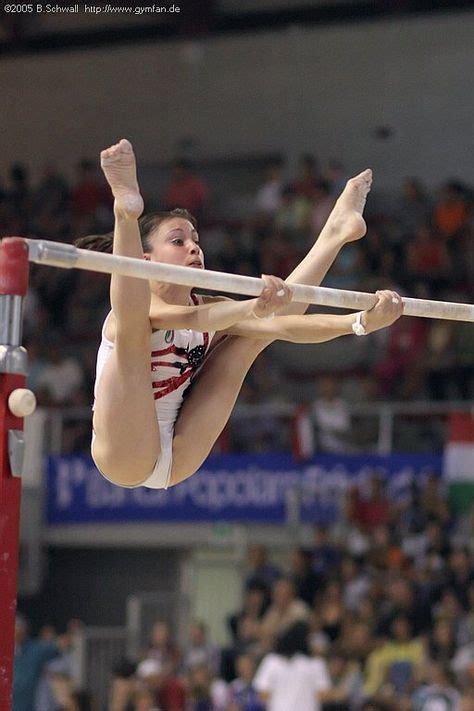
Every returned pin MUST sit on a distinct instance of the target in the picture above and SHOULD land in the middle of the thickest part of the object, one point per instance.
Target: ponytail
(98, 243)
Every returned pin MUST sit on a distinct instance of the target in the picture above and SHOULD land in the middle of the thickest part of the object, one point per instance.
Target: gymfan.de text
(107, 9)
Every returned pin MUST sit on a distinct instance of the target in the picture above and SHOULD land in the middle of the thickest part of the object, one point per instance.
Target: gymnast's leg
(205, 412)
(127, 439)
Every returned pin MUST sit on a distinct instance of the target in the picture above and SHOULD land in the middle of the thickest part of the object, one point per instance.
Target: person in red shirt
(186, 189)
(371, 511)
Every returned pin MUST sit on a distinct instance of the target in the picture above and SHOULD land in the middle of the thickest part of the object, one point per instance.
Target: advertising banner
(267, 488)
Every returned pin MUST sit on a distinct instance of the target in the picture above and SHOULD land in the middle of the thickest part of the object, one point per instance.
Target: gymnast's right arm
(317, 328)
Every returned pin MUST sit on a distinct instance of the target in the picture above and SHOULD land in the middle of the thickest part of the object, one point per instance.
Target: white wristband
(358, 327)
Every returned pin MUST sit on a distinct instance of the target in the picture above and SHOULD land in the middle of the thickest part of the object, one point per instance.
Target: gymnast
(145, 432)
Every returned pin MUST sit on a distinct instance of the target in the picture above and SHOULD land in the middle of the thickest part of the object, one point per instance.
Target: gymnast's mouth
(197, 264)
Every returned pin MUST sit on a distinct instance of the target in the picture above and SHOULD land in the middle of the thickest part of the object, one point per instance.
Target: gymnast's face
(176, 241)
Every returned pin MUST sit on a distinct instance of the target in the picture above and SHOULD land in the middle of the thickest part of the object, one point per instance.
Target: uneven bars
(57, 254)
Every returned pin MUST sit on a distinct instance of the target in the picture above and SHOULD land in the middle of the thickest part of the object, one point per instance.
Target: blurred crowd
(375, 613)
(418, 242)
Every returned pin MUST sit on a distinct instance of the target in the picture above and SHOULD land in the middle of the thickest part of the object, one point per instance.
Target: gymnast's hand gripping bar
(57, 254)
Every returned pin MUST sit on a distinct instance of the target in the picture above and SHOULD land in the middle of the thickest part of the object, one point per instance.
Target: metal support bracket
(16, 451)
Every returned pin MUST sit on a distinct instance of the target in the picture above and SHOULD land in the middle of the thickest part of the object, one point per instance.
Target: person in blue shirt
(31, 656)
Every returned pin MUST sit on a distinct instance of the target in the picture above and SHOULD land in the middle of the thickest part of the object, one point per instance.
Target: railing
(97, 650)
(381, 427)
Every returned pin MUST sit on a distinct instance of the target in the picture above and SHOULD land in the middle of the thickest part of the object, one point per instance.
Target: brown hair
(146, 224)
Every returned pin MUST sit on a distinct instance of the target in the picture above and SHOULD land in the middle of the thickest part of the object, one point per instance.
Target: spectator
(206, 692)
(306, 580)
(260, 571)
(242, 692)
(289, 678)
(60, 378)
(428, 260)
(284, 611)
(330, 414)
(31, 657)
(186, 189)
(451, 212)
(268, 199)
(162, 647)
(167, 691)
(308, 178)
(373, 509)
(414, 208)
(325, 553)
(345, 683)
(395, 660)
(200, 650)
(440, 693)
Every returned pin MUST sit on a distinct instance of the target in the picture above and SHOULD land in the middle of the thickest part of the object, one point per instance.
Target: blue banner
(259, 488)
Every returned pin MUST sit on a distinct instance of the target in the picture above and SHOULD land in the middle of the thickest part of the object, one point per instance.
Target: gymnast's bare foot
(118, 164)
(346, 221)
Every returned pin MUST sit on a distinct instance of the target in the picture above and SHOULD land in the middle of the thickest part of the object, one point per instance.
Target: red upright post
(13, 287)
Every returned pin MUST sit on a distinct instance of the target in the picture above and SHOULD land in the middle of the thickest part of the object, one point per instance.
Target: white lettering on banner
(218, 490)
(68, 476)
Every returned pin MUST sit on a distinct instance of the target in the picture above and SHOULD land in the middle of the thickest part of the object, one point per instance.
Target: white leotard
(176, 355)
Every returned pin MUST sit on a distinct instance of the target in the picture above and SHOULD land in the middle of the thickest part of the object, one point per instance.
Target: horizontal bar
(57, 254)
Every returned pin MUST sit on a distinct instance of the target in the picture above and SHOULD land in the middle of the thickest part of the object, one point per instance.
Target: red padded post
(13, 281)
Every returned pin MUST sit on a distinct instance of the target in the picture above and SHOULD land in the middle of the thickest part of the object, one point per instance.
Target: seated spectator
(403, 354)
(330, 414)
(355, 582)
(293, 218)
(60, 377)
(451, 212)
(268, 198)
(200, 650)
(325, 554)
(466, 683)
(243, 696)
(123, 685)
(414, 207)
(166, 690)
(442, 642)
(260, 571)
(162, 647)
(440, 692)
(460, 575)
(31, 658)
(373, 509)
(401, 649)
(432, 500)
(308, 176)
(245, 624)
(205, 691)
(428, 260)
(306, 581)
(278, 255)
(403, 599)
(345, 681)
(284, 611)
(186, 189)
(289, 678)
(89, 195)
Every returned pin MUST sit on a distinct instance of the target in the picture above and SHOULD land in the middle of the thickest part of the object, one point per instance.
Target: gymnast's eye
(178, 241)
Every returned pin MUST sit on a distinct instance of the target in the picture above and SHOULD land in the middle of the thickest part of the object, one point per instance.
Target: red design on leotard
(191, 361)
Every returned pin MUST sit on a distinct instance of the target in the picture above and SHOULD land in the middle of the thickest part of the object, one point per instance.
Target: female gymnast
(145, 433)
